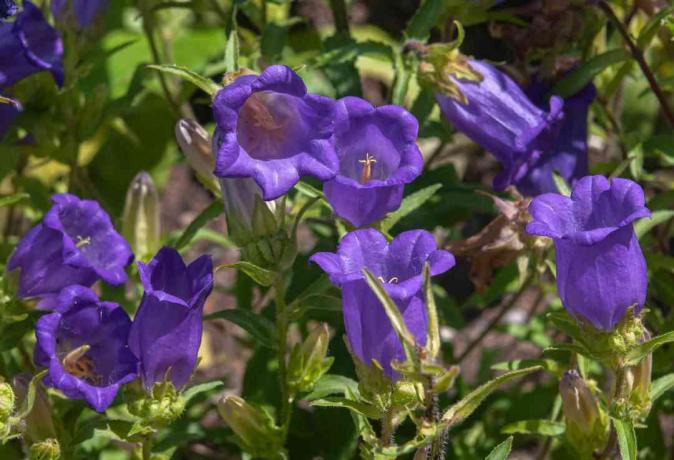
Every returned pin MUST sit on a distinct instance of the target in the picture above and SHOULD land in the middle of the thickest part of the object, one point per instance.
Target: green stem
(387, 429)
(147, 448)
(612, 443)
(340, 17)
(282, 331)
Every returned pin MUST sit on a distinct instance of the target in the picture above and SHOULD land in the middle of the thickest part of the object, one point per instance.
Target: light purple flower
(400, 266)
(85, 10)
(568, 155)
(75, 244)
(270, 129)
(94, 373)
(166, 331)
(502, 120)
(601, 271)
(29, 45)
(377, 154)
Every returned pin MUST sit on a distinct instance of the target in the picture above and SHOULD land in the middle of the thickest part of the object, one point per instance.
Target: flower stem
(387, 429)
(147, 448)
(340, 16)
(638, 55)
(612, 443)
(282, 331)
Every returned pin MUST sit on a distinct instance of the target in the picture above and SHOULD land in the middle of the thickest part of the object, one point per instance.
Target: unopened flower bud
(195, 143)
(161, 407)
(639, 381)
(256, 432)
(38, 425)
(308, 362)
(6, 408)
(141, 224)
(48, 449)
(586, 424)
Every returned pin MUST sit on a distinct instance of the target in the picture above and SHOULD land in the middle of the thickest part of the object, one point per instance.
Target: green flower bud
(308, 362)
(38, 425)
(7, 401)
(255, 430)
(48, 449)
(195, 143)
(638, 380)
(586, 423)
(158, 409)
(141, 225)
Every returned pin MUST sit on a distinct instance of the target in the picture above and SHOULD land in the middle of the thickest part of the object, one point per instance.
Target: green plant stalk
(147, 448)
(387, 428)
(612, 443)
(340, 16)
(282, 329)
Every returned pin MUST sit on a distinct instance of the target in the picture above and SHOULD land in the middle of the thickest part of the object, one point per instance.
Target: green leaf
(211, 212)
(409, 204)
(316, 291)
(643, 226)
(466, 406)
(501, 451)
(637, 163)
(652, 26)
(661, 386)
(206, 84)
(330, 384)
(637, 353)
(202, 388)
(350, 51)
(260, 275)
(394, 315)
(29, 401)
(257, 326)
(536, 427)
(232, 52)
(358, 407)
(627, 440)
(581, 76)
(561, 184)
(549, 365)
(7, 200)
(433, 335)
(426, 16)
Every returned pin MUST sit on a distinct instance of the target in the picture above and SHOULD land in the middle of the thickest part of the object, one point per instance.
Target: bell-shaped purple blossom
(166, 332)
(377, 154)
(399, 265)
(270, 129)
(76, 243)
(568, 154)
(29, 45)
(83, 344)
(7, 9)
(601, 271)
(85, 11)
(502, 120)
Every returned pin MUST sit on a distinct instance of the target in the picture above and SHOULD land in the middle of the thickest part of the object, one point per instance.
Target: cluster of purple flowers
(92, 347)
(29, 44)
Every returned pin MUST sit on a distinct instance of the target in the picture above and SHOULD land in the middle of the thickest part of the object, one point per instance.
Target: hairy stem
(638, 55)
(282, 330)
(612, 443)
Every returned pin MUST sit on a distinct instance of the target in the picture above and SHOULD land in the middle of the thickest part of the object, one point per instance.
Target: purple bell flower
(377, 154)
(270, 129)
(568, 155)
(75, 244)
(83, 343)
(166, 332)
(400, 266)
(501, 118)
(7, 9)
(29, 45)
(85, 10)
(601, 271)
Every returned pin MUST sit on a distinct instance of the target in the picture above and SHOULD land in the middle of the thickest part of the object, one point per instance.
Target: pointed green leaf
(661, 386)
(211, 212)
(561, 184)
(541, 427)
(330, 384)
(426, 16)
(409, 204)
(576, 80)
(7, 200)
(652, 26)
(358, 407)
(260, 275)
(643, 226)
(627, 439)
(232, 52)
(462, 409)
(257, 326)
(28, 403)
(433, 337)
(202, 388)
(637, 353)
(205, 84)
(501, 451)
(549, 365)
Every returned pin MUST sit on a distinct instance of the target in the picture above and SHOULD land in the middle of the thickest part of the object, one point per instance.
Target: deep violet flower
(29, 45)
(502, 120)
(568, 154)
(166, 331)
(85, 10)
(377, 154)
(400, 266)
(75, 244)
(83, 343)
(7, 8)
(601, 271)
(270, 129)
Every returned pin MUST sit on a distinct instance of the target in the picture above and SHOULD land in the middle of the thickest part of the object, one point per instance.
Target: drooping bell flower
(75, 243)
(497, 115)
(29, 45)
(7, 9)
(568, 154)
(271, 130)
(83, 344)
(601, 271)
(84, 11)
(399, 265)
(166, 332)
(377, 154)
